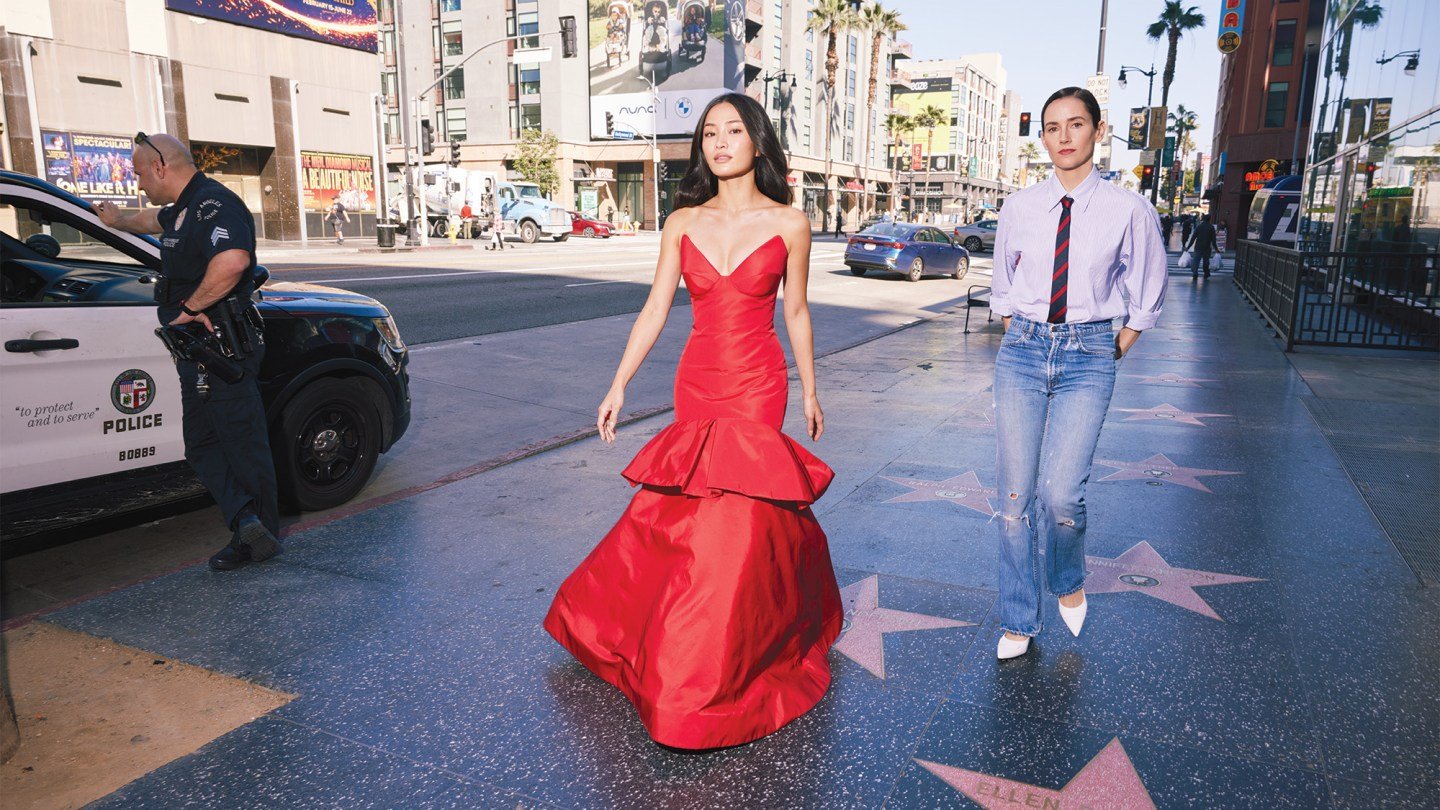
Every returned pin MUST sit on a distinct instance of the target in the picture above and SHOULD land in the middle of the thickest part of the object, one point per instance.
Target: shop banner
(1232, 19)
(1139, 123)
(326, 175)
(347, 23)
(692, 51)
(94, 167)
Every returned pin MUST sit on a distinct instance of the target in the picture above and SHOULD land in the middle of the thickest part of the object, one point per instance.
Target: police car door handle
(28, 345)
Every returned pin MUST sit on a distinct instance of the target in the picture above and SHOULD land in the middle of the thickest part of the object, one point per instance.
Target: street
(510, 353)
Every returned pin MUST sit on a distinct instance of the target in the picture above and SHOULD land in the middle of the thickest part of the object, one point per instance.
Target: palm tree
(881, 23)
(1029, 152)
(897, 123)
(1182, 122)
(927, 119)
(1174, 21)
(830, 17)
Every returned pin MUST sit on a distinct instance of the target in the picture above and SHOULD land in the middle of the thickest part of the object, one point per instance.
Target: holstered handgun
(237, 326)
(195, 344)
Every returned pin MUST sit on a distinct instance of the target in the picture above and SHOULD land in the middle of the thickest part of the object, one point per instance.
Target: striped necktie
(1060, 282)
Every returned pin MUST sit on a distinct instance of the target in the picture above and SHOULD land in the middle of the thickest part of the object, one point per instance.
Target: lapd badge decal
(180, 218)
(132, 392)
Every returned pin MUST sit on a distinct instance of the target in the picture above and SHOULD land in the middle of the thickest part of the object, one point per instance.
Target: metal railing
(1361, 299)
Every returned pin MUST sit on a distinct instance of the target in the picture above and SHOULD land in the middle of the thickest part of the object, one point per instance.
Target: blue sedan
(911, 250)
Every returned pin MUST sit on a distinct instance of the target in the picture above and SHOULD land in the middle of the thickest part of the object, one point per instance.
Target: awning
(854, 185)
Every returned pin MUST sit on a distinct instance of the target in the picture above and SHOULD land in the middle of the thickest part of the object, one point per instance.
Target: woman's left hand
(814, 417)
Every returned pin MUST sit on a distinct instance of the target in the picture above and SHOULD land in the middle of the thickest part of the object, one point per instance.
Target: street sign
(1147, 158)
(1099, 85)
(621, 134)
(1139, 172)
(530, 56)
(1169, 156)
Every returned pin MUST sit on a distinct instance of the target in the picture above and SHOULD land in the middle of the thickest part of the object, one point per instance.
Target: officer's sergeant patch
(218, 234)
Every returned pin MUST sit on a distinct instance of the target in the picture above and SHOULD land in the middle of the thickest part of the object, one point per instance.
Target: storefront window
(630, 191)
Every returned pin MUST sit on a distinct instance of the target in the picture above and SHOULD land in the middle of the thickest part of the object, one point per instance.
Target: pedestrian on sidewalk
(497, 227)
(207, 269)
(839, 221)
(1167, 228)
(338, 219)
(1187, 226)
(1203, 244)
(712, 603)
(1055, 370)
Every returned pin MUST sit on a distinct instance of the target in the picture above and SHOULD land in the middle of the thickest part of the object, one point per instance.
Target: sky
(1049, 44)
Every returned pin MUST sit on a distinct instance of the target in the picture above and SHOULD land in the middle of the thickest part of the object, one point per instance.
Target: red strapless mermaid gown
(712, 603)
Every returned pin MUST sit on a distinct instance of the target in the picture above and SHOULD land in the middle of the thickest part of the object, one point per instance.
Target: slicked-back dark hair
(700, 184)
(1086, 97)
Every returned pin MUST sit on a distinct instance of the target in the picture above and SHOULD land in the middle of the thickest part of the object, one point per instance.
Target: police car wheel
(327, 442)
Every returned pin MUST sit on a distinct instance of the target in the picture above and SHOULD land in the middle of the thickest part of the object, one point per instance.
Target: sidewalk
(1254, 639)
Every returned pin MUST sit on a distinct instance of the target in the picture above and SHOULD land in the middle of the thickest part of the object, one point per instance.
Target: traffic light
(609, 123)
(454, 153)
(663, 171)
(1024, 125)
(567, 37)
(1147, 178)
(427, 137)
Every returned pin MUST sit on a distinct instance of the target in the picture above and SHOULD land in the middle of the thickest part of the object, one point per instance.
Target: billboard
(924, 93)
(327, 175)
(693, 51)
(347, 23)
(93, 167)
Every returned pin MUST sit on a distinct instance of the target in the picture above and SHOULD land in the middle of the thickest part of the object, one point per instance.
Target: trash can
(385, 234)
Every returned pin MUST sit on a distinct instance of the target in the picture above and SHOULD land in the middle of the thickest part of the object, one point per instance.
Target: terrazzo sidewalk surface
(1254, 637)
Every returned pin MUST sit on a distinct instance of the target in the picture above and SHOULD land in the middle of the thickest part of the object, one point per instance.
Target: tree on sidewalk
(881, 23)
(535, 159)
(830, 17)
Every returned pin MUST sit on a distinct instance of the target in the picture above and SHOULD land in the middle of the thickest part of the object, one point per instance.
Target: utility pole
(1100, 58)
(654, 144)
(406, 124)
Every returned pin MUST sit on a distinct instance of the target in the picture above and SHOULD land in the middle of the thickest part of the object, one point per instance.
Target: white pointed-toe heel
(1010, 648)
(1074, 616)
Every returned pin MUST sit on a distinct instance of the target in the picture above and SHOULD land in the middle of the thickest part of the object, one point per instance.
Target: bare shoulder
(678, 223)
(794, 226)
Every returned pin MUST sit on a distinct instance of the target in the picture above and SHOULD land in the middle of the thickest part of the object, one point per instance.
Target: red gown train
(712, 603)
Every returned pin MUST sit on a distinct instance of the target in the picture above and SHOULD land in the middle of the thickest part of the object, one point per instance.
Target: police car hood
(300, 298)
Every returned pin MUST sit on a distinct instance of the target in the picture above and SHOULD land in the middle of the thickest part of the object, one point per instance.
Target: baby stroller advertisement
(691, 50)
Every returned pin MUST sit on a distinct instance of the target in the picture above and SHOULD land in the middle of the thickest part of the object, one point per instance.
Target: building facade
(1373, 176)
(1263, 108)
(835, 140)
(287, 122)
(967, 163)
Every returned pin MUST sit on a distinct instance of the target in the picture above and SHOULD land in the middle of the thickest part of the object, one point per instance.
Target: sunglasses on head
(142, 139)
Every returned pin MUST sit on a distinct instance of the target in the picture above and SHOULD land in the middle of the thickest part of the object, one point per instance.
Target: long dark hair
(700, 184)
(1086, 97)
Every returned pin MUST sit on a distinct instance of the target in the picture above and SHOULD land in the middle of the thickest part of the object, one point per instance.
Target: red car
(582, 225)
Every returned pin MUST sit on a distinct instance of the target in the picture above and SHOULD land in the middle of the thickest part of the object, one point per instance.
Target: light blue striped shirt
(1117, 259)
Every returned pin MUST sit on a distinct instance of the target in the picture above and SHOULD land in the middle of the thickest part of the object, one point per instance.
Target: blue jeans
(1052, 389)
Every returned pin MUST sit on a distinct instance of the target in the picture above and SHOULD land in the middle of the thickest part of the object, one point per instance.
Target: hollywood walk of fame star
(1167, 412)
(1108, 780)
(1141, 569)
(1177, 356)
(867, 623)
(1170, 378)
(962, 490)
(1160, 468)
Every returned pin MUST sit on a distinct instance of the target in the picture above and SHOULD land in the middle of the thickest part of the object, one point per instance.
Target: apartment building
(603, 111)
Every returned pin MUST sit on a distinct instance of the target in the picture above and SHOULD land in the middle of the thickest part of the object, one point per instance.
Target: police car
(90, 400)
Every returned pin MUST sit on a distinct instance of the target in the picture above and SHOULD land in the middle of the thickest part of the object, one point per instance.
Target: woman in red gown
(712, 603)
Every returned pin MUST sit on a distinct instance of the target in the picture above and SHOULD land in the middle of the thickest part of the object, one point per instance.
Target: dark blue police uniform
(226, 436)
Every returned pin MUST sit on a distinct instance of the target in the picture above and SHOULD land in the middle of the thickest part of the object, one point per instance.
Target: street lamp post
(1149, 102)
(782, 76)
(654, 143)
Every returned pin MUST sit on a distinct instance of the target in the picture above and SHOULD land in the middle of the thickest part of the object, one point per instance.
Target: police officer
(207, 240)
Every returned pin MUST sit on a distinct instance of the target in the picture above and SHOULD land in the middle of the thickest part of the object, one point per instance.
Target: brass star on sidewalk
(962, 490)
(1159, 468)
(1170, 378)
(867, 623)
(1108, 780)
(1143, 570)
(1167, 413)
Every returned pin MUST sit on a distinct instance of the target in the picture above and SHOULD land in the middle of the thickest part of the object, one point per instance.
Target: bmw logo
(682, 106)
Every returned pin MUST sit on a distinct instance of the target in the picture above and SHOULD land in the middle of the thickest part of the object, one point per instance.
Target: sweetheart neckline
(748, 256)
